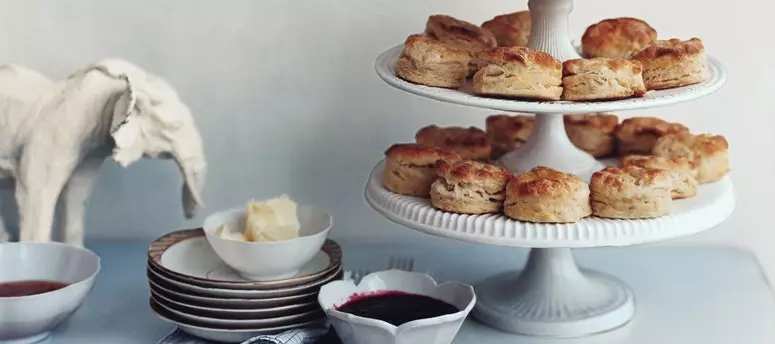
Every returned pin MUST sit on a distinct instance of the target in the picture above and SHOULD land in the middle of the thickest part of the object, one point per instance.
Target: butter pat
(224, 233)
(272, 220)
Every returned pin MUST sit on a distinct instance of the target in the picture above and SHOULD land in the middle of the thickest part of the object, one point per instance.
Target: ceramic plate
(233, 313)
(385, 66)
(714, 203)
(186, 256)
(225, 335)
(246, 294)
(242, 323)
(193, 299)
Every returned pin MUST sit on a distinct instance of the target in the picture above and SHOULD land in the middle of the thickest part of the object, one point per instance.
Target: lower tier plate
(713, 204)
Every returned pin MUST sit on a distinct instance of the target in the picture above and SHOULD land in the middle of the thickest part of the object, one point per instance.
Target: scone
(510, 30)
(507, 133)
(592, 133)
(470, 143)
(673, 63)
(410, 169)
(709, 153)
(631, 192)
(518, 72)
(469, 187)
(637, 135)
(546, 195)
(429, 62)
(601, 78)
(459, 34)
(462, 35)
(617, 38)
(683, 176)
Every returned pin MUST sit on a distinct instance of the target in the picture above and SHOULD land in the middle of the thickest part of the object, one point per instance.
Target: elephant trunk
(192, 191)
(193, 167)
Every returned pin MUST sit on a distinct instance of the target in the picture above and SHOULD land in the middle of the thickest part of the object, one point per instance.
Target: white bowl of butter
(267, 240)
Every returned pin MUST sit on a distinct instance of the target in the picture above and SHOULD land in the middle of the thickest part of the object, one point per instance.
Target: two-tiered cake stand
(552, 296)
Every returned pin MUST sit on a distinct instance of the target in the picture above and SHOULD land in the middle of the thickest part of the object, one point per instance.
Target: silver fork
(396, 262)
(407, 264)
(357, 275)
(401, 263)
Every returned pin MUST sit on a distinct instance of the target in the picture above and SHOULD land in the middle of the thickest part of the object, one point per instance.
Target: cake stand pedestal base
(552, 297)
(549, 146)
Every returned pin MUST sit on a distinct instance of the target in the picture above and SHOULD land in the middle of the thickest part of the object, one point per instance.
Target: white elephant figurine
(55, 135)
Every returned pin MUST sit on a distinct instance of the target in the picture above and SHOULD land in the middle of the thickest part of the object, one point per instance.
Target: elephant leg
(6, 183)
(4, 236)
(38, 186)
(73, 200)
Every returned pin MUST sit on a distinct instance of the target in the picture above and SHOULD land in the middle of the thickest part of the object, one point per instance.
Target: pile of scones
(622, 59)
(659, 161)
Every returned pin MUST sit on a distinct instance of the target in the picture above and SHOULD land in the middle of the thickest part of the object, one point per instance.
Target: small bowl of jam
(396, 307)
(41, 285)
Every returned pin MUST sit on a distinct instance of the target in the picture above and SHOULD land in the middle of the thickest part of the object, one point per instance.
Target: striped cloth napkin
(297, 336)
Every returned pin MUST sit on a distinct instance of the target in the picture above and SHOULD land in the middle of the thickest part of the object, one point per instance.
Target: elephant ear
(126, 128)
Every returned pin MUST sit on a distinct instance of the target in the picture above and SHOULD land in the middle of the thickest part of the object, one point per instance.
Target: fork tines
(401, 263)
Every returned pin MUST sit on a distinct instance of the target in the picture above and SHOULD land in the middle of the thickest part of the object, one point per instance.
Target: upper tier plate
(713, 204)
(386, 63)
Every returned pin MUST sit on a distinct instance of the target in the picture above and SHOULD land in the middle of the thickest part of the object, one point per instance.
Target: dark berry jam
(28, 288)
(395, 307)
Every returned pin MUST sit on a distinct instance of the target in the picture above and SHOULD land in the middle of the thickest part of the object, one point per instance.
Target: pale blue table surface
(684, 295)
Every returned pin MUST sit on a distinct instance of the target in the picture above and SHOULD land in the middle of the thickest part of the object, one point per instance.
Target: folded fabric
(295, 336)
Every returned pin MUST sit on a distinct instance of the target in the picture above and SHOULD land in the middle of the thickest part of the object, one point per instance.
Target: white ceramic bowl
(268, 261)
(28, 319)
(354, 329)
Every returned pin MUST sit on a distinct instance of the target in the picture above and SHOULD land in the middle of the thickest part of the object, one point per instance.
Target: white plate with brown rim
(226, 335)
(194, 299)
(186, 256)
(313, 286)
(241, 323)
(226, 313)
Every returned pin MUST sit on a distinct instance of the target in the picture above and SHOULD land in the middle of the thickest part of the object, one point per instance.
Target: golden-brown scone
(709, 153)
(637, 135)
(592, 133)
(462, 35)
(429, 62)
(507, 133)
(547, 195)
(617, 38)
(470, 143)
(510, 30)
(601, 78)
(459, 34)
(673, 63)
(410, 169)
(469, 187)
(518, 72)
(682, 173)
(631, 192)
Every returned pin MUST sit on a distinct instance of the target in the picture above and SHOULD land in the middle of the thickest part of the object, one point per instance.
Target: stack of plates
(192, 288)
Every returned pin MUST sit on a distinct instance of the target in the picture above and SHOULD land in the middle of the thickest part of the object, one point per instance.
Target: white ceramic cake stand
(549, 145)
(552, 296)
